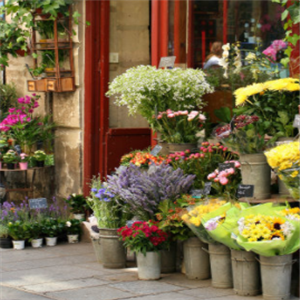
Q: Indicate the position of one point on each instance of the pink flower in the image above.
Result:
(11, 110)
(216, 179)
(169, 111)
(36, 104)
(184, 112)
(170, 115)
(230, 171)
(202, 117)
(159, 117)
(223, 180)
(237, 164)
(21, 100)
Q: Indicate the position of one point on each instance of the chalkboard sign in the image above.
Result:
(38, 203)
(156, 150)
(225, 166)
(167, 62)
(245, 191)
(297, 121)
(207, 188)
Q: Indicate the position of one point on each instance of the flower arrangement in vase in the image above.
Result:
(146, 239)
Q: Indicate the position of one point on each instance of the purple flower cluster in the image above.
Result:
(143, 191)
(103, 194)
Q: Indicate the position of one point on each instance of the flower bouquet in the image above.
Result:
(291, 213)
(262, 231)
(202, 163)
(194, 215)
(274, 102)
(225, 182)
(179, 127)
(144, 190)
(141, 159)
(147, 90)
(285, 160)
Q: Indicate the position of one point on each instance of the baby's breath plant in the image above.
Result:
(147, 90)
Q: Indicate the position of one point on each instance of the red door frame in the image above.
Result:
(96, 105)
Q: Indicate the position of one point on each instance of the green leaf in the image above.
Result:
(283, 117)
(294, 39)
(224, 114)
(294, 13)
(284, 15)
(285, 61)
(34, 55)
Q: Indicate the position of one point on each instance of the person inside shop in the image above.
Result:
(213, 59)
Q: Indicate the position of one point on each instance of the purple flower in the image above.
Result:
(94, 190)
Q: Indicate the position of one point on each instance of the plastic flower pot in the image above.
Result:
(51, 241)
(18, 245)
(37, 243)
(23, 165)
(73, 238)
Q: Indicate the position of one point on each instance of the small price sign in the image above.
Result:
(245, 191)
(207, 188)
(197, 193)
(205, 191)
(167, 62)
(38, 203)
(225, 166)
(156, 150)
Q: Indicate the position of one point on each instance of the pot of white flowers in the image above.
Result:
(73, 228)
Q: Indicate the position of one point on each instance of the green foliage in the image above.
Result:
(39, 155)
(77, 203)
(10, 157)
(52, 227)
(19, 230)
(35, 230)
(73, 226)
(8, 97)
(3, 231)
(223, 113)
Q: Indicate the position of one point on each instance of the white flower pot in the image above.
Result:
(51, 241)
(149, 266)
(73, 238)
(19, 245)
(78, 216)
(36, 243)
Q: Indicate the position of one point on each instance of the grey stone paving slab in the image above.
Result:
(64, 285)
(49, 274)
(123, 277)
(181, 280)
(47, 262)
(142, 287)
(97, 266)
(7, 293)
(97, 293)
(165, 296)
(208, 292)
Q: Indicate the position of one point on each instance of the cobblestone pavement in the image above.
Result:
(70, 272)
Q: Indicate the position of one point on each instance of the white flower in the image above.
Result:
(73, 195)
(251, 56)
(226, 47)
(287, 228)
(68, 223)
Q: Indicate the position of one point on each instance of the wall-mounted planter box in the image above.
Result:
(65, 84)
(39, 85)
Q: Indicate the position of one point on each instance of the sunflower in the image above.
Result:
(277, 222)
(277, 235)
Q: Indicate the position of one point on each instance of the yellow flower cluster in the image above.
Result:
(291, 213)
(262, 228)
(286, 84)
(194, 216)
(284, 156)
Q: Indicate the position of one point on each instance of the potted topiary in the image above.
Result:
(73, 230)
(78, 205)
(10, 158)
(19, 231)
(40, 157)
(23, 161)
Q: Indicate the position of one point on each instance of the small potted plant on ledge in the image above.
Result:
(36, 234)
(78, 205)
(19, 231)
(146, 239)
(10, 158)
(23, 161)
(5, 240)
(73, 230)
(52, 228)
(40, 157)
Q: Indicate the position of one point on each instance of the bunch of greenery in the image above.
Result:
(77, 203)
(8, 98)
(39, 155)
(52, 227)
(35, 230)
(19, 230)
(10, 157)
(3, 231)
(73, 226)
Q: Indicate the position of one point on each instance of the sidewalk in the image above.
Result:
(70, 272)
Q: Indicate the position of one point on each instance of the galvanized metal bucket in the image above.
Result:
(220, 264)
(97, 248)
(168, 259)
(276, 276)
(196, 259)
(246, 273)
(149, 265)
(113, 253)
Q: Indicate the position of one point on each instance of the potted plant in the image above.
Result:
(5, 240)
(19, 231)
(73, 229)
(110, 216)
(51, 229)
(246, 134)
(36, 232)
(10, 158)
(179, 128)
(23, 161)
(146, 239)
(40, 157)
(78, 205)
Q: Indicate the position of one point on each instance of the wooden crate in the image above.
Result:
(58, 85)
(39, 85)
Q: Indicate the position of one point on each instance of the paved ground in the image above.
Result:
(70, 272)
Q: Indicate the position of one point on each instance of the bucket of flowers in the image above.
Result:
(146, 239)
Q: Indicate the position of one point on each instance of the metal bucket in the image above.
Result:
(256, 171)
(113, 254)
(246, 273)
(168, 259)
(276, 276)
(149, 265)
(196, 259)
(220, 264)
(97, 248)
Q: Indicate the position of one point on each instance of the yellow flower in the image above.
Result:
(242, 94)
(294, 174)
(252, 239)
(266, 233)
(195, 221)
(246, 233)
